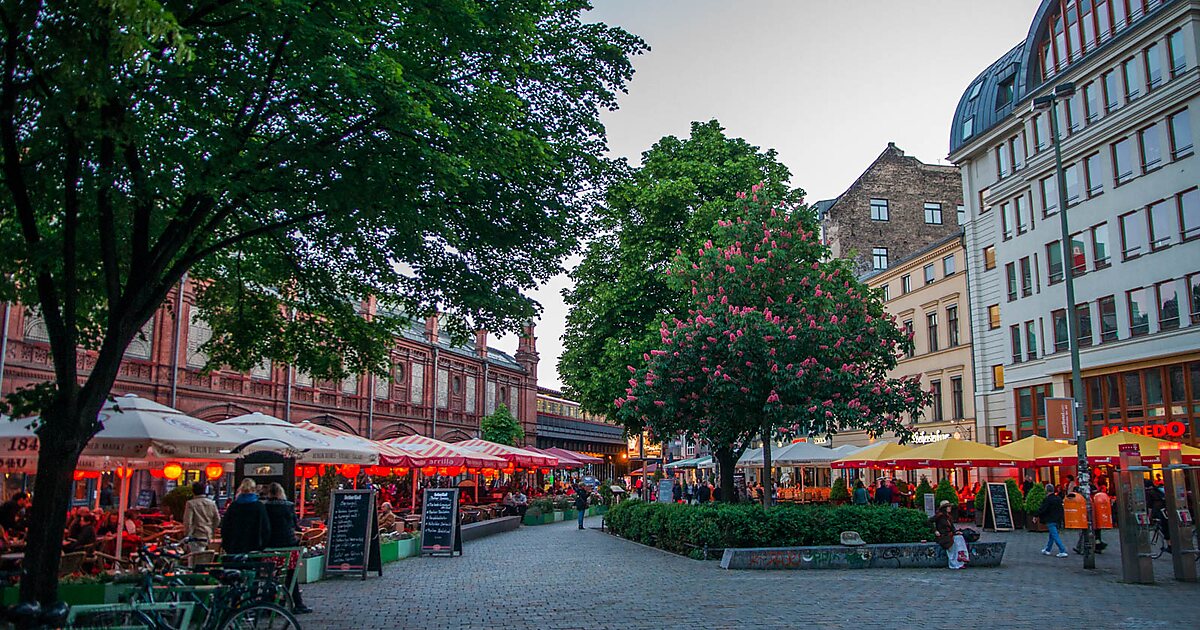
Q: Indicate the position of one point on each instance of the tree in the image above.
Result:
(501, 427)
(778, 340)
(300, 160)
(620, 293)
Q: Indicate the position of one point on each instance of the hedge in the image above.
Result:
(688, 529)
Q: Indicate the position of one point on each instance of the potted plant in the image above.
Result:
(946, 492)
(1033, 503)
(839, 494)
(980, 504)
(1016, 501)
(923, 489)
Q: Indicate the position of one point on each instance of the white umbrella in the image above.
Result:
(311, 447)
(804, 453)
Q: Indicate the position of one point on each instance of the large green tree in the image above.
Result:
(298, 158)
(778, 340)
(501, 427)
(620, 294)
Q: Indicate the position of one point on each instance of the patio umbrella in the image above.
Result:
(564, 460)
(388, 455)
(1031, 448)
(582, 458)
(877, 455)
(804, 453)
(310, 447)
(517, 456)
(1106, 450)
(952, 453)
(751, 458)
(651, 469)
(682, 463)
(427, 451)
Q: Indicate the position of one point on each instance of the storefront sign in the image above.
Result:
(1060, 423)
(922, 437)
(1161, 430)
(1004, 436)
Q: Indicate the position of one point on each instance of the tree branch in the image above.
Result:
(106, 234)
(249, 234)
(142, 209)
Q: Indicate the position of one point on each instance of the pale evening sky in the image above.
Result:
(827, 83)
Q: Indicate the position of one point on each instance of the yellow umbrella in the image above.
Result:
(1031, 448)
(952, 453)
(879, 455)
(1106, 450)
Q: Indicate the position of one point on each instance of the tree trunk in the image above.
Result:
(726, 461)
(768, 482)
(58, 454)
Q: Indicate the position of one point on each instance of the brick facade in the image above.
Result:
(907, 184)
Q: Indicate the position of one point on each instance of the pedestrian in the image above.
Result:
(581, 502)
(1072, 485)
(106, 496)
(1026, 485)
(1051, 514)
(281, 513)
(689, 493)
(12, 514)
(677, 492)
(860, 493)
(200, 518)
(883, 494)
(703, 492)
(245, 527)
(897, 491)
(950, 540)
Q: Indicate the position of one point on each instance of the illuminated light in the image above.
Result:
(79, 475)
(349, 471)
(400, 471)
(172, 471)
(454, 471)
(91, 474)
(309, 471)
(545, 471)
(122, 472)
(1174, 429)
(429, 471)
(214, 471)
(472, 471)
(156, 473)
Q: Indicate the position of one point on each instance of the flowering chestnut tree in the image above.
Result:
(779, 340)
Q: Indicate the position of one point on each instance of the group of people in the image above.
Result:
(699, 491)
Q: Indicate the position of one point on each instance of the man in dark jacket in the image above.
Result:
(581, 501)
(246, 527)
(1051, 513)
(703, 492)
(883, 494)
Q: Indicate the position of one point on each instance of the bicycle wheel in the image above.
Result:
(261, 617)
(1156, 546)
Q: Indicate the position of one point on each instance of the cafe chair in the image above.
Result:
(71, 563)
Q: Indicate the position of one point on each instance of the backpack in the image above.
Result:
(969, 534)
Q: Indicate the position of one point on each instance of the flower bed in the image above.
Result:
(689, 529)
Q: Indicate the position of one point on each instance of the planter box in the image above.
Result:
(558, 516)
(312, 568)
(389, 551)
(895, 556)
(532, 519)
(408, 548)
(85, 594)
(570, 515)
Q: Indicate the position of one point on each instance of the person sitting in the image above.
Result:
(84, 536)
(387, 518)
(12, 514)
(522, 503)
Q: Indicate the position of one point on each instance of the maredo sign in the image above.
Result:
(1161, 430)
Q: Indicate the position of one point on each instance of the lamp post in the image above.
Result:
(1049, 103)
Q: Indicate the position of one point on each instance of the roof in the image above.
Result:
(415, 331)
(580, 430)
(822, 207)
(917, 254)
(893, 152)
(980, 108)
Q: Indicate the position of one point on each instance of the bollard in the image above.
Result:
(1179, 519)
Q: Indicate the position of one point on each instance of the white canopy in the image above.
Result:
(310, 447)
(798, 454)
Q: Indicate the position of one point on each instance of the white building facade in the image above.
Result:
(1133, 213)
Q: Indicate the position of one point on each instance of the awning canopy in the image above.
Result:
(564, 459)
(310, 447)
(582, 458)
(1031, 448)
(388, 455)
(952, 453)
(518, 456)
(880, 455)
(1106, 450)
(682, 463)
(426, 451)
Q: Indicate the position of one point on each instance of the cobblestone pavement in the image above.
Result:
(555, 576)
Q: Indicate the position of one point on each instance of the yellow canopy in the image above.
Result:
(1032, 447)
(880, 454)
(1106, 450)
(952, 453)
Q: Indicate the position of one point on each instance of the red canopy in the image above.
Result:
(564, 459)
(652, 468)
(426, 451)
(517, 456)
(575, 455)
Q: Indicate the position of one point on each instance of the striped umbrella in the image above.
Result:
(517, 456)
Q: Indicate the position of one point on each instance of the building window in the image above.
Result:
(1168, 305)
(905, 284)
(1162, 217)
(1049, 188)
(1112, 99)
(952, 325)
(1007, 221)
(1010, 271)
(1031, 349)
(1107, 308)
(1175, 53)
(1026, 277)
(997, 377)
(879, 258)
(1054, 263)
(1100, 246)
(1139, 312)
(908, 328)
(1016, 146)
(1041, 131)
(993, 316)
(1131, 71)
(879, 209)
(1001, 153)
(1071, 177)
(1189, 213)
(1150, 143)
(956, 397)
(1133, 235)
(961, 215)
(989, 257)
(1024, 216)
(1014, 340)
(929, 273)
(1179, 127)
(1083, 324)
(933, 213)
(1122, 155)
(948, 265)
(886, 290)
(1091, 102)
(1091, 171)
(932, 323)
(1078, 254)
(1154, 74)
(935, 388)
(1029, 406)
(1058, 321)
(1193, 292)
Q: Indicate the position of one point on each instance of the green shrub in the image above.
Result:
(1015, 499)
(945, 492)
(923, 489)
(1033, 500)
(176, 499)
(838, 493)
(688, 529)
(981, 497)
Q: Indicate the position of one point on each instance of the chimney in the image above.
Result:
(431, 328)
(481, 347)
(527, 343)
(892, 147)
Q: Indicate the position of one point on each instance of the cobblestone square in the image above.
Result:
(555, 576)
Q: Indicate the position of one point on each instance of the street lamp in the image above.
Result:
(1049, 103)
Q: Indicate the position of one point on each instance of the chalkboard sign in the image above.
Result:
(666, 489)
(352, 541)
(998, 512)
(146, 498)
(930, 507)
(441, 531)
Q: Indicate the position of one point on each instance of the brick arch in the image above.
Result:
(221, 411)
(333, 422)
(455, 435)
(398, 429)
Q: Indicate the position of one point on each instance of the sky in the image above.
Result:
(827, 83)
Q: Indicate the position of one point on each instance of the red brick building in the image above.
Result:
(466, 381)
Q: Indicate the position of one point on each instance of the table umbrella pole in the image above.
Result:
(303, 487)
(414, 492)
(121, 512)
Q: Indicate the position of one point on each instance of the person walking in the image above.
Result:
(860, 493)
(703, 492)
(1051, 513)
(200, 518)
(581, 502)
(281, 514)
(677, 492)
(246, 527)
(883, 494)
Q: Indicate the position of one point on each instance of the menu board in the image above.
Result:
(352, 542)
(145, 498)
(998, 515)
(440, 528)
